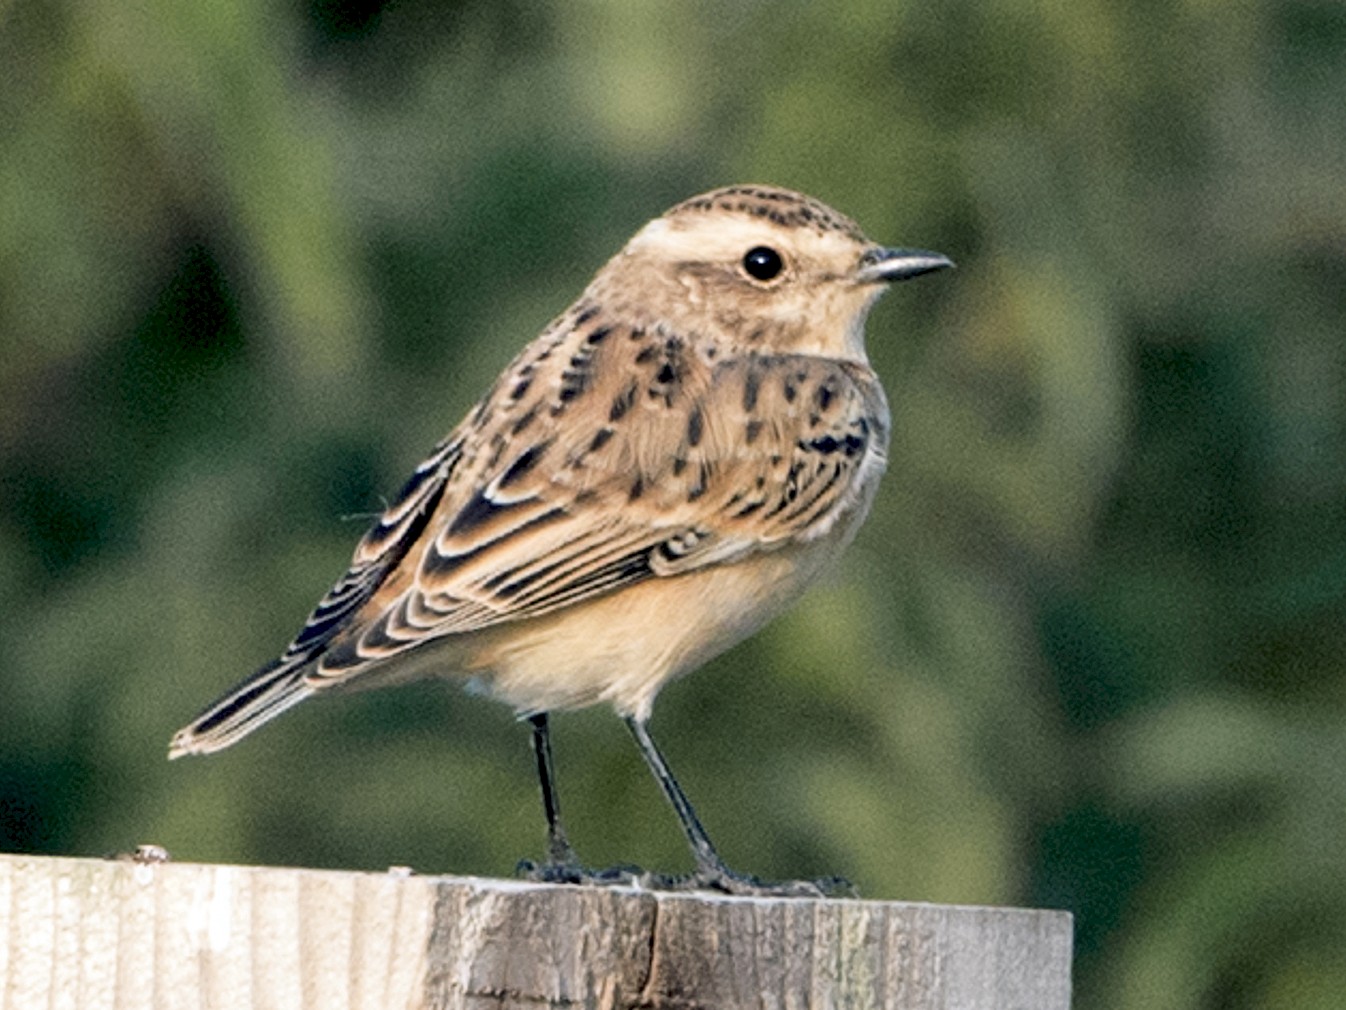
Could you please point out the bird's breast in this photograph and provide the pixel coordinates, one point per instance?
(623, 648)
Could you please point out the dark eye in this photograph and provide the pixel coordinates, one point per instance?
(762, 262)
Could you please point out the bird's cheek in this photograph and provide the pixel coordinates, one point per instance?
(692, 290)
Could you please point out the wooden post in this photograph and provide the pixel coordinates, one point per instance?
(88, 934)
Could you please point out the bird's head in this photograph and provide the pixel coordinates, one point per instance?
(758, 268)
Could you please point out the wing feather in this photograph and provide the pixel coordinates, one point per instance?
(702, 465)
(282, 682)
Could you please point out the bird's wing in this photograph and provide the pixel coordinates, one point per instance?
(607, 455)
(281, 683)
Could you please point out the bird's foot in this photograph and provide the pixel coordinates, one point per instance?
(726, 881)
(571, 872)
(711, 877)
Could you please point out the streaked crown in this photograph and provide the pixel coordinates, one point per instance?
(784, 207)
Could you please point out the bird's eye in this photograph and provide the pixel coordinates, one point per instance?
(762, 263)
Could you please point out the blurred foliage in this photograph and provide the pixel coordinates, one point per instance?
(256, 257)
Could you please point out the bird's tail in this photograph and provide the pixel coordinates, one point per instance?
(259, 699)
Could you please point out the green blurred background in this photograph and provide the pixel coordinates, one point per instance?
(255, 258)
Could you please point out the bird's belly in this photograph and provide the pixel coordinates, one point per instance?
(624, 647)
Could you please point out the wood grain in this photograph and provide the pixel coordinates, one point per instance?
(85, 934)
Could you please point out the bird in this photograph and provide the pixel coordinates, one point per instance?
(663, 470)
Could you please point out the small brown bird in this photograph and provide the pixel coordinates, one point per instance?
(658, 474)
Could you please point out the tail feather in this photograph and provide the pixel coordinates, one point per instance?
(278, 685)
(258, 700)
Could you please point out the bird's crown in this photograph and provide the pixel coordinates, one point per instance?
(784, 207)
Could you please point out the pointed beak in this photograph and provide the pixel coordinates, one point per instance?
(883, 266)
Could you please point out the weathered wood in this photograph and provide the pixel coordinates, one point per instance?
(88, 934)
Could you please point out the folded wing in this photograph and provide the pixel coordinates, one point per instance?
(743, 457)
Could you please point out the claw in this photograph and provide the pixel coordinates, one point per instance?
(720, 880)
(570, 872)
(727, 881)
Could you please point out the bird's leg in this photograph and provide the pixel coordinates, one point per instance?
(708, 861)
(562, 865)
(559, 851)
(711, 871)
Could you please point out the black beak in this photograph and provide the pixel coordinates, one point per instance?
(883, 266)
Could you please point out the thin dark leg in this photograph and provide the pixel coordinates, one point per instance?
(559, 851)
(562, 865)
(711, 872)
(708, 861)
